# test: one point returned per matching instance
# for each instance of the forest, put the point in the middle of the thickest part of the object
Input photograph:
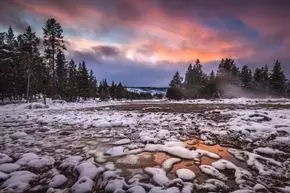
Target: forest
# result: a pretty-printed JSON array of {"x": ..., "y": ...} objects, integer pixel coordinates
[
  {"x": 229, "y": 81},
  {"x": 32, "y": 67}
]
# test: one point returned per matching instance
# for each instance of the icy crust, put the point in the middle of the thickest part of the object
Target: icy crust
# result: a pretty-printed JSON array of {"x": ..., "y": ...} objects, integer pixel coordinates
[{"x": 264, "y": 165}]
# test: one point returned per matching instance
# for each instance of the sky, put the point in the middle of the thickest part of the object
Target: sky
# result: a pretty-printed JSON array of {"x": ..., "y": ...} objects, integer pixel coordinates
[{"x": 143, "y": 42}]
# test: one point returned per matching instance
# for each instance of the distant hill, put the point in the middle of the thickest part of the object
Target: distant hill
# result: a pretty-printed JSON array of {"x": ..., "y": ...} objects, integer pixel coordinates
[{"x": 151, "y": 90}]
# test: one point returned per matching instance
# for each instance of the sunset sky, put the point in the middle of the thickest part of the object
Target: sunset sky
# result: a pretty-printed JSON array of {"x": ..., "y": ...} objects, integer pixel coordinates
[{"x": 142, "y": 42}]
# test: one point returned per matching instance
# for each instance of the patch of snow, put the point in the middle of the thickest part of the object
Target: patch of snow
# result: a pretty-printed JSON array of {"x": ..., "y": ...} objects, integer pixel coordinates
[
  {"x": 83, "y": 185},
  {"x": 19, "y": 181},
  {"x": 9, "y": 167},
  {"x": 209, "y": 170},
  {"x": 115, "y": 151},
  {"x": 5, "y": 158},
  {"x": 168, "y": 164},
  {"x": 57, "y": 181},
  {"x": 122, "y": 142},
  {"x": 185, "y": 174},
  {"x": 158, "y": 175},
  {"x": 87, "y": 169}
]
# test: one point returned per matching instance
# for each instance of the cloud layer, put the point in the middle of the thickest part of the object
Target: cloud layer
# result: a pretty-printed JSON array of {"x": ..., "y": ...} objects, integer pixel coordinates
[{"x": 146, "y": 40}]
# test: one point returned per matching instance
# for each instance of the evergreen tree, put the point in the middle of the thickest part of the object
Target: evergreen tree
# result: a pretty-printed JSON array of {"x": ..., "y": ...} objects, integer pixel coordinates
[
  {"x": 277, "y": 79},
  {"x": 195, "y": 81},
  {"x": 93, "y": 85},
  {"x": 83, "y": 81},
  {"x": 31, "y": 62},
  {"x": 120, "y": 91},
  {"x": 104, "y": 90},
  {"x": 72, "y": 83},
  {"x": 175, "y": 91},
  {"x": 113, "y": 90},
  {"x": 53, "y": 41},
  {"x": 246, "y": 77},
  {"x": 61, "y": 73}
]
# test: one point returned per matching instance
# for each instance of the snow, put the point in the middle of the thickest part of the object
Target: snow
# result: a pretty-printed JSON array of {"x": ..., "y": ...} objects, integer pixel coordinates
[
  {"x": 87, "y": 169},
  {"x": 209, "y": 170},
  {"x": 57, "y": 181},
  {"x": 212, "y": 185},
  {"x": 114, "y": 185},
  {"x": 9, "y": 167},
  {"x": 122, "y": 142},
  {"x": 136, "y": 189},
  {"x": 158, "y": 175},
  {"x": 241, "y": 175},
  {"x": 71, "y": 161},
  {"x": 185, "y": 174},
  {"x": 3, "y": 176},
  {"x": 19, "y": 181},
  {"x": 34, "y": 161},
  {"x": 207, "y": 153},
  {"x": 115, "y": 151},
  {"x": 268, "y": 151},
  {"x": 161, "y": 190},
  {"x": 83, "y": 185},
  {"x": 176, "y": 151},
  {"x": 168, "y": 164},
  {"x": 18, "y": 135},
  {"x": 5, "y": 158}
]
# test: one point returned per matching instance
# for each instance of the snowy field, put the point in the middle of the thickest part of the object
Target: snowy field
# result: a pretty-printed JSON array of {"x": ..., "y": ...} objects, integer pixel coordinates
[{"x": 231, "y": 145}]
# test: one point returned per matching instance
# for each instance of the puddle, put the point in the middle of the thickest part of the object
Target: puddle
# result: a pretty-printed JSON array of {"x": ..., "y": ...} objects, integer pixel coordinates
[{"x": 155, "y": 159}]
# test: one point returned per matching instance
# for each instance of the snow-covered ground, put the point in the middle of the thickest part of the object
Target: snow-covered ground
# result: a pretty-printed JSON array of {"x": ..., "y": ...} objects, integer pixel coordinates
[{"x": 89, "y": 146}]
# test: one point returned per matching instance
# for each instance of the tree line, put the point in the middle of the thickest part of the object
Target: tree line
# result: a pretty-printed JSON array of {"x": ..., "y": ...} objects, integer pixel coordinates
[
  {"x": 32, "y": 67},
  {"x": 229, "y": 81}
]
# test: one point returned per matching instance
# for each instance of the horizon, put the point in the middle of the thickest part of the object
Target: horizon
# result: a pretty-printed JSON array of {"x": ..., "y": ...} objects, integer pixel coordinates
[{"x": 150, "y": 40}]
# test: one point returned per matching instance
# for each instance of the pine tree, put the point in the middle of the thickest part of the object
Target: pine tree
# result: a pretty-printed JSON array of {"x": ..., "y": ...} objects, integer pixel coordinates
[
  {"x": 277, "y": 80},
  {"x": 113, "y": 89},
  {"x": 72, "y": 83},
  {"x": 93, "y": 85},
  {"x": 120, "y": 91},
  {"x": 53, "y": 41},
  {"x": 83, "y": 81},
  {"x": 61, "y": 73},
  {"x": 32, "y": 61},
  {"x": 246, "y": 77},
  {"x": 175, "y": 91},
  {"x": 104, "y": 90},
  {"x": 195, "y": 81}
]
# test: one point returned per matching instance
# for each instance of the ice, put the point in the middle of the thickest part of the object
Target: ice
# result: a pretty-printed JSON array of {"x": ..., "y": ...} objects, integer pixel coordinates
[
  {"x": 178, "y": 151},
  {"x": 185, "y": 174},
  {"x": 209, "y": 170},
  {"x": 9, "y": 167},
  {"x": 212, "y": 185},
  {"x": 27, "y": 157},
  {"x": 18, "y": 135},
  {"x": 87, "y": 169},
  {"x": 268, "y": 151},
  {"x": 3, "y": 176},
  {"x": 158, "y": 175},
  {"x": 114, "y": 185},
  {"x": 241, "y": 175},
  {"x": 168, "y": 164},
  {"x": 187, "y": 187},
  {"x": 108, "y": 175},
  {"x": 115, "y": 151},
  {"x": 174, "y": 144},
  {"x": 5, "y": 158},
  {"x": 71, "y": 161},
  {"x": 122, "y": 142},
  {"x": 136, "y": 189},
  {"x": 57, "y": 181},
  {"x": 83, "y": 185},
  {"x": 265, "y": 165},
  {"x": 163, "y": 134},
  {"x": 110, "y": 166},
  {"x": 207, "y": 153},
  {"x": 162, "y": 190},
  {"x": 19, "y": 180}
]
